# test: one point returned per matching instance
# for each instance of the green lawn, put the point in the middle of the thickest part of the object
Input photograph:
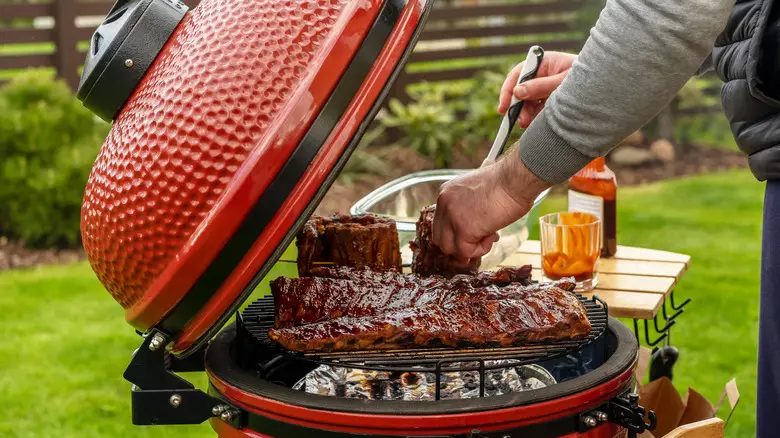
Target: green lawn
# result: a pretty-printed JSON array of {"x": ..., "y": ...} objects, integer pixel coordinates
[{"x": 65, "y": 344}]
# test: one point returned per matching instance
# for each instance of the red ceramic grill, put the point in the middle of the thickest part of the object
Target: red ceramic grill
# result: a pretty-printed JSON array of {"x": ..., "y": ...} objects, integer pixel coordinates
[{"x": 230, "y": 122}]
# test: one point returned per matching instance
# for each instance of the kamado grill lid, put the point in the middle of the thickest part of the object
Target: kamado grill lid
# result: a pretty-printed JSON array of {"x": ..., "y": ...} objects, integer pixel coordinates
[{"x": 231, "y": 120}]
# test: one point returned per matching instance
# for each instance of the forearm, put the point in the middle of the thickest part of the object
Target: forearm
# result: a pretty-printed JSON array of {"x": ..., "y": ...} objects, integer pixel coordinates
[{"x": 638, "y": 56}]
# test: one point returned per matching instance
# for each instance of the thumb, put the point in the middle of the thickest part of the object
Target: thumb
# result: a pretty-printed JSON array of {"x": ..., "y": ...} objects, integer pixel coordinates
[{"x": 539, "y": 88}]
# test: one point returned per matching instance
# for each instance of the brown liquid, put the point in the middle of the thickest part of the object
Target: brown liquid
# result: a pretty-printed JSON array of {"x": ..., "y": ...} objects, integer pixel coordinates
[
  {"x": 609, "y": 247},
  {"x": 598, "y": 180},
  {"x": 557, "y": 266}
]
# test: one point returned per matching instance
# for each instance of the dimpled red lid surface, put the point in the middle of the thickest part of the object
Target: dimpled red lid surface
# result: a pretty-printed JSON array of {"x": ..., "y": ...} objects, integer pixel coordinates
[{"x": 239, "y": 81}]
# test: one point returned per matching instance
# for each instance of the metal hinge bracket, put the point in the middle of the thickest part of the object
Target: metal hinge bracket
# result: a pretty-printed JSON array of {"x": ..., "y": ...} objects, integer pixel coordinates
[
  {"x": 623, "y": 410},
  {"x": 160, "y": 397}
]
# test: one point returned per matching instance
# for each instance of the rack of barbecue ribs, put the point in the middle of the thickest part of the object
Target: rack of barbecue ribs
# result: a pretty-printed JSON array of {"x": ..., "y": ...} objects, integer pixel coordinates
[
  {"x": 428, "y": 259},
  {"x": 353, "y": 241},
  {"x": 363, "y": 301},
  {"x": 454, "y": 314},
  {"x": 335, "y": 292}
]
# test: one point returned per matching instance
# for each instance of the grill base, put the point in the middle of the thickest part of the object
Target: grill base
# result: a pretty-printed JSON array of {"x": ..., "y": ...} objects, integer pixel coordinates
[{"x": 263, "y": 390}]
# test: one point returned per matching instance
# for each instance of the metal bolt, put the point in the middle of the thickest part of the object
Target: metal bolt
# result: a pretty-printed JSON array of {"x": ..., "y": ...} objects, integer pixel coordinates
[
  {"x": 175, "y": 400},
  {"x": 589, "y": 421},
  {"x": 227, "y": 415},
  {"x": 129, "y": 63},
  {"x": 602, "y": 417},
  {"x": 157, "y": 341},
  {"x": 218, "y": 409}
]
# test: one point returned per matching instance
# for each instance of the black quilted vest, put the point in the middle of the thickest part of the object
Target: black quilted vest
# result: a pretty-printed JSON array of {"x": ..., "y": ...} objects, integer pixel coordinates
[{"x": 747, "y": 59}]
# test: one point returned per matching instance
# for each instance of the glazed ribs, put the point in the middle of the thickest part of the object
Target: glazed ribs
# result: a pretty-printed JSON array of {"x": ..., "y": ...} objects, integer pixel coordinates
[
  {"x": 354, "y": 241},
  {"x": 362, "y": 301},
  {"x": 336, "y": 292},
  {"x": 485, "y": 316},
  {"x": 428, "y": 259}
]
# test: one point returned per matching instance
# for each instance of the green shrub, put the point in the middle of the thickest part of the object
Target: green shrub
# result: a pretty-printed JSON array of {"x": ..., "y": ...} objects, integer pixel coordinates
[
  {"x": 443, "y": 118},
  {"x": 48, "y": 142},
  {"x": 481, "y": 118},
  {"x": 363, "y": 162},
  {"x": 428, "y": 122}
]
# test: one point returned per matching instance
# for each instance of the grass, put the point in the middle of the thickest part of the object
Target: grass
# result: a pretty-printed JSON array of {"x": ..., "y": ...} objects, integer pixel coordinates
[{"x": 65, "y": 343}]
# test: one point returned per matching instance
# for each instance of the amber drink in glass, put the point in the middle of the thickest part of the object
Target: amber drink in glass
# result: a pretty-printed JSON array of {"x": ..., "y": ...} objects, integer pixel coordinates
[{"x": 571, "y": 247}]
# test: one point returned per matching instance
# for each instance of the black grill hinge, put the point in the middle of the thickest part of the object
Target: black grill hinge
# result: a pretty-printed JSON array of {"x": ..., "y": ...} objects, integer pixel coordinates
[
  {"x": 623, "y": 410},
  {"x": 160, "y": 397}
]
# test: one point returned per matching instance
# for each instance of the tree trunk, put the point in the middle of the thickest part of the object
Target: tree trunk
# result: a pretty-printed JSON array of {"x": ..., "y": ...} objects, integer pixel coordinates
[{"x": 666, "y": 127}]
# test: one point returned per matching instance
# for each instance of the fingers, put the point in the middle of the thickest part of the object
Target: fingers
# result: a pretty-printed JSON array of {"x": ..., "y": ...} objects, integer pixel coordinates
[
  {"x": 530, "y": 110},
  {"x": 442, "y": 232},
  {"x": 539, "y": 88},
  {"x": 484, "y": 246},
  {"x": 463, "y": 250},
  {"x": 505, "y": 97}
]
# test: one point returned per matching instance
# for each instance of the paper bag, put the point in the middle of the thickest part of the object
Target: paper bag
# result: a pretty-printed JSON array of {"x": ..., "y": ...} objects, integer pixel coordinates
[{"x": 672, "y": 412}]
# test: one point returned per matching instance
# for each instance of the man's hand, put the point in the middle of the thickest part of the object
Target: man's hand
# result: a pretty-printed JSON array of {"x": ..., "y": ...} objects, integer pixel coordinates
[
  {"x": 473, "y": 207},
  {"x": 553, "y": 70}
]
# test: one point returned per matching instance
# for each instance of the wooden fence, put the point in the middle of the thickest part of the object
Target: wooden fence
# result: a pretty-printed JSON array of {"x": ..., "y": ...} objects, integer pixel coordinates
[
  {"x": 461, "y": 38},
  {"x": 53, "y": 34}
]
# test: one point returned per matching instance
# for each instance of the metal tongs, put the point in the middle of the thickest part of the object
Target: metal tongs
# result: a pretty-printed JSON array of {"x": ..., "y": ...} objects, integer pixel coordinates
[{"x": 530, "y": 69}]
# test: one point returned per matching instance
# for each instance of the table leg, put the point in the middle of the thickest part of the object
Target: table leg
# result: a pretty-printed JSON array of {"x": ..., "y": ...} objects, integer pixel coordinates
[{"x": 664, "y": 333}]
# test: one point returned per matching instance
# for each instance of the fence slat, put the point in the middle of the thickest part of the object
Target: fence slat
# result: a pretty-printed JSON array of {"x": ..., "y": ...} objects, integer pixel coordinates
[
  {"x": 491, "y": 31},
  {"x": 453, "y": 13},
  {"x": 442, "y": 75},
  {"x": 17, "y": 36},
  {"x": 85, "y": 33},
  {"x": 26, "y": 11},
  {"x": 97, "y": 8},
  {"x": 498, "y": 50},
  {"x": 66, "y": 57},
  {"x": 13, "y": 62}
]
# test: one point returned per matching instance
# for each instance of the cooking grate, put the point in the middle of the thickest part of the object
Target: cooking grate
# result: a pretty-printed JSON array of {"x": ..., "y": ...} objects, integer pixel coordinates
[{"x": 259, "y": 317}]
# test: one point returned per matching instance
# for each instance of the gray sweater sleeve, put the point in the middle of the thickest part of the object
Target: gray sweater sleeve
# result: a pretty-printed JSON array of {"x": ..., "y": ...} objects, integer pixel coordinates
[{"x": 639, "y": 55}]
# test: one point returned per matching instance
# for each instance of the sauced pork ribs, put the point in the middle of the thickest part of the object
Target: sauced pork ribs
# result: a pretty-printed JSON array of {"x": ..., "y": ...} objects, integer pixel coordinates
[
  {"x": 355, "y": 241},
  {"x": 457, "y": 314},
  {"x": 363, "y": 301},
  {"x": 335, "y": 292},
  {"x": 428, "y": 259}
]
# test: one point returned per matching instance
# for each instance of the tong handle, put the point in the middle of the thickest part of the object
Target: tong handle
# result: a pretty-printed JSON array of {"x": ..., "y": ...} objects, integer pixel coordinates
[{"x": 530, "y": 69}]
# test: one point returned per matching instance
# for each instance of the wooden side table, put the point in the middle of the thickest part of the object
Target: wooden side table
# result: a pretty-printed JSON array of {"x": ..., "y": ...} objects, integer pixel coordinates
[{"x": 636, "y": 283}]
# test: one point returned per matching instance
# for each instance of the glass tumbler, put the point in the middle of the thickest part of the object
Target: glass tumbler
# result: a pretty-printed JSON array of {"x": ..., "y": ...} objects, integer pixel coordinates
[{"x": 571, "y": 247}]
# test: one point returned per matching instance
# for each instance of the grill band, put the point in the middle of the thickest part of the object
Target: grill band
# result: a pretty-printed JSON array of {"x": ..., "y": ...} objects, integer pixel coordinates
[
  {"x": 552, "y": 429},
  {"x": 272, "y": 199}
]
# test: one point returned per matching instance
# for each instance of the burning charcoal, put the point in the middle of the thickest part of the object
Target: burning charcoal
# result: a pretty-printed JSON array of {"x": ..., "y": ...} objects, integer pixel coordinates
[
  {"x": 375, "y": 385},
  {"x": 415, "y": 387}
]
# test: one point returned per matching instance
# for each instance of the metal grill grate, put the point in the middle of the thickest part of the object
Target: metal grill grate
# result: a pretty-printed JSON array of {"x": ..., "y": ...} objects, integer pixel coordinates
[{"x": 259, "y": 317}]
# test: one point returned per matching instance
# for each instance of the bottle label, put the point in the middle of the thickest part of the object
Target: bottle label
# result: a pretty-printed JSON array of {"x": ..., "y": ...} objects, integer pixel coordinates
[{"x": 584, "y": 203}]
